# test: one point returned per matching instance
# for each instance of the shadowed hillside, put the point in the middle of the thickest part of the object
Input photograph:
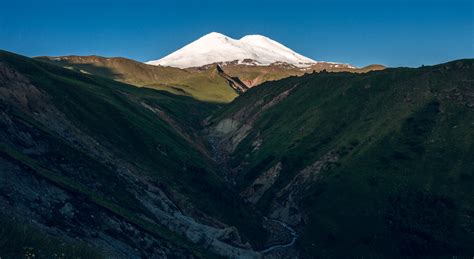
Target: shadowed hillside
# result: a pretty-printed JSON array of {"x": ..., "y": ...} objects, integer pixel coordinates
[
  {"x": 375, "y": 164},
  {"x": 119, "y": 168}
]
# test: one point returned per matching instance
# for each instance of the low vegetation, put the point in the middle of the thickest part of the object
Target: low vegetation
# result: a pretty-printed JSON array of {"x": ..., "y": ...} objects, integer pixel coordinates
[{"x": 402, "y": 140}]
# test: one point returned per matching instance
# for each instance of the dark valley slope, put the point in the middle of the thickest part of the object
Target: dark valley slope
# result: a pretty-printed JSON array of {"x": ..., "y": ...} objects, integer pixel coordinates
[
  {"x": 87, "y": 162},
  {"x": 375, "y": 164}
]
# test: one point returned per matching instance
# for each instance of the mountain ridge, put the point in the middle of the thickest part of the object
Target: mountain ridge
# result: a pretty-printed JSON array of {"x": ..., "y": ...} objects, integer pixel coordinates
[{"x": 197, "y": 82}]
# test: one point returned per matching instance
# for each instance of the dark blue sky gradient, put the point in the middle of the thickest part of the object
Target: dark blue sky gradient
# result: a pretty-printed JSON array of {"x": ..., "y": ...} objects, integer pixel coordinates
[{"x": 394, "y": 33}]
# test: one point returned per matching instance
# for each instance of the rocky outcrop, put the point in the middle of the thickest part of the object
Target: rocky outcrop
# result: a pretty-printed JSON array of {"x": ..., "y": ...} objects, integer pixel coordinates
[
  {"x": 224, "y": 241},
  {"x": 285, "y": 206},
  {"x": 255, "y": 191},
  {"x": 233, "y": 82},
  {"x": 229, "y": 132}
]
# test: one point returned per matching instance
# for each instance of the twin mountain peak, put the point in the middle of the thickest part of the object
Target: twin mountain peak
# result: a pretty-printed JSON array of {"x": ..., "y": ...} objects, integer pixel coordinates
[{"x": 218, "y": 48}]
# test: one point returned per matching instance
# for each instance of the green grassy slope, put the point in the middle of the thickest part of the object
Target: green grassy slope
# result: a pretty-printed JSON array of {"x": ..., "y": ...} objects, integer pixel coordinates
[
  {"x": 204, "y": 84},
  {"x": 255, "y": 75},
  {"x": 403, "y": 141},
  {"x": 201, "y": 83},
  {"x": 112, "y": 114}
]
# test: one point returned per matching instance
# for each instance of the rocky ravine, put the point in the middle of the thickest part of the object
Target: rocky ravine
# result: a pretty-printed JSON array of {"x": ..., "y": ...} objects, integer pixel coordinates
[
  {"x": 228, "y": 132},
  {"x": 225, "y": 135}
]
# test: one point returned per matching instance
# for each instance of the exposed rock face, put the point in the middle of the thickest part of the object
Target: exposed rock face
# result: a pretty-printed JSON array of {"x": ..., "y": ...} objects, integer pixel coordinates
[
  {"x": 254, "y": 192},
  {"x": 224, "y": 241},
  {"x": 312, "y": 172},
  {"x": 15, "y": 88},
  {"x": 233, "y": 131},
  {"x": 229, "y": 132},
  {"x": 233, "y": 82},
  {"x": 285, "y": 206}
]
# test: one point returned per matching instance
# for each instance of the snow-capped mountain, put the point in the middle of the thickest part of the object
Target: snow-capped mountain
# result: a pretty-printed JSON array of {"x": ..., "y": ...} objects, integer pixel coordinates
[{"x": 216, "y": 47}]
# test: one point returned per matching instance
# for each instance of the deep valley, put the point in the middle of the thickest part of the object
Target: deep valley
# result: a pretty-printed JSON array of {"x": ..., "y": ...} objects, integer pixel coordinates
[{"x": 109, "y": 157}]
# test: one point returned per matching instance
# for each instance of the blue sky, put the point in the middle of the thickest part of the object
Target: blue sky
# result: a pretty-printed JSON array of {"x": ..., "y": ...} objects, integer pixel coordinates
[{"x": 390, "y": 32}]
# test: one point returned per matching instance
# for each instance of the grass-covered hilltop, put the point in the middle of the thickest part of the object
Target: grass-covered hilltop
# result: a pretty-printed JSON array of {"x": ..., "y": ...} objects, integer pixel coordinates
[{"x": 112, "y": 158}]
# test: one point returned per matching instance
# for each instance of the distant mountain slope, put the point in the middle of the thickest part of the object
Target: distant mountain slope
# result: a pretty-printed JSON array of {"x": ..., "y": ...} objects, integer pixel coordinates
[
  {"x": 255, "y": 75},
  {"x": 203, "y": 84},
  {"x": 376, "y": 165},
  {"x": 88, "y": 161},
  {"x": 216, "y": 47}
]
